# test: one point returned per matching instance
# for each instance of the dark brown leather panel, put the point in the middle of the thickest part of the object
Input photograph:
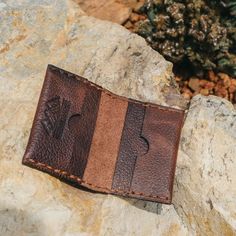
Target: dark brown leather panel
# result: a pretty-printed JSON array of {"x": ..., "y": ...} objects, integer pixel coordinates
[
  {"x": 131, "y": 146},
  {"x": 87, "y": 135},
  {"x": 154, "y": 171},
  {"x": 51, "y": 140},
  {"x": 83, "y": 131}
]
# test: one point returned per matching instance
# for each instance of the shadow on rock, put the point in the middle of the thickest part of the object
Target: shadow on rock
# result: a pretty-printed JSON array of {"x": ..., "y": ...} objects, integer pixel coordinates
[
  {"x": 141, "y": 204},
  {"x": 152, "y": 207},
  {"x": 19, "y": 222}
]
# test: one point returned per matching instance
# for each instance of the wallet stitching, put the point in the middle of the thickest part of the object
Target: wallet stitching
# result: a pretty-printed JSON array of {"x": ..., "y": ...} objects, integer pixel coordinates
[
  {"x": 114, "y": 96},
  {"x": 79, "y": 180}
]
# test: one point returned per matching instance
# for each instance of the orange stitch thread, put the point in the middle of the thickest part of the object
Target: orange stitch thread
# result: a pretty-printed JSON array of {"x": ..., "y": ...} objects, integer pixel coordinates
[{"x": 82, "y": 181}]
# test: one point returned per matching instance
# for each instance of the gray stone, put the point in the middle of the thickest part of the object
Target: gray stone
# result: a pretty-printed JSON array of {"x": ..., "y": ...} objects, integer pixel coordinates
[
  {"x": 111, "y": 10},
  {"x": 34, "y": 34},
  {"x": 205, "y": 189}
]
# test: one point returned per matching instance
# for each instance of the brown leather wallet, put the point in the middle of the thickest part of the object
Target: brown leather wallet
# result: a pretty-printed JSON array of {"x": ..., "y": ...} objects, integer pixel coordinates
[{"x": 91, "y": 137}]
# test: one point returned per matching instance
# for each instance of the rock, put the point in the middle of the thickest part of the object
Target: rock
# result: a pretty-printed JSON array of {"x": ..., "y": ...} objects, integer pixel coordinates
[
  {"x": 186, "y": 93},
  {"x": 111, "y": 10},
  {"x": 206, "y": 177},
  {"x": 128, "y": 25},
  {"x": 212, "y": 76},
  {"x": 204, "y": 91},
  {"x": 233, "y": 82},
  {"x": 34, "y": 34},
  {"x": 203, "y": 82},
  {"x": 134, "y": 17},
  {"x": 221, "y": 91},
  {"x": 137, "y": 5},
  {"x": 220, "y": 84},
  {"x": 232, "y": 87},
  {"x": 194, "y": 84},
  {"x": 210, "y": 85},
  {"x": 223, "y": 76}
]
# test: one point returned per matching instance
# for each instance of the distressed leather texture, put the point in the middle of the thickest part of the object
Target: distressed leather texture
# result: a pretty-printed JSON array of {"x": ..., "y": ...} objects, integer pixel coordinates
[{"x": 85, "y": 135}]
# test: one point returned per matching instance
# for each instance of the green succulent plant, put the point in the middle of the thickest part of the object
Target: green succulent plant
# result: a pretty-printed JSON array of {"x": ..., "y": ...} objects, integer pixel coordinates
[{"x": 200, "y": 33}]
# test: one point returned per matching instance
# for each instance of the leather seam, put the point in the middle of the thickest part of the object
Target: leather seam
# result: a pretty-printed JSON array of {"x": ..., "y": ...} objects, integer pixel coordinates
[{"x": 79, "y": 180}]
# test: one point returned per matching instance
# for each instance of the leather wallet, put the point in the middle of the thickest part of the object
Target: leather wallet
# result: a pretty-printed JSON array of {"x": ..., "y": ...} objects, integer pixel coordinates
[{"x": 88, "y": 136}]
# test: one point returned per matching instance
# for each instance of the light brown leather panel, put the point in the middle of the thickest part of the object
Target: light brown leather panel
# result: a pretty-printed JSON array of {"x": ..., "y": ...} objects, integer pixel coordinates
[{"x": 106, "y": 140}]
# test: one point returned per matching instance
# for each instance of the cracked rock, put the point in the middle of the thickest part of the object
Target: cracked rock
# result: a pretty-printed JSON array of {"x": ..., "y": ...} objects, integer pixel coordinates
[{"x": 205, "y": 192}]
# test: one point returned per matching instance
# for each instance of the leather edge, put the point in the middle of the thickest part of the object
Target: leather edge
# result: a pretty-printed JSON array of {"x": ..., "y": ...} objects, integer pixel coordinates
[
  {"x": 63, "y": 175},
  {"x": 40, "y": 99},
  {"x": 175, "y": 156}
]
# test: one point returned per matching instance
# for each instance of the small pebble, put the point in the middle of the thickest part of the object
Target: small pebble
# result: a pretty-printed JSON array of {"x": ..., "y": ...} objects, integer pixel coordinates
[
  {"x": 128, "y": 25},
  {"x": 210, "y": 85},
  {"x": 134, "y": 17},
  {"x": 232, "y": 88},
  {"x": 204, "y": 92},
  {"x": 203, "y": 82},
  {"x": 223, "y": 76},
  {"x": 194, "y": 84},
  {"x": 212, "y": 76}
]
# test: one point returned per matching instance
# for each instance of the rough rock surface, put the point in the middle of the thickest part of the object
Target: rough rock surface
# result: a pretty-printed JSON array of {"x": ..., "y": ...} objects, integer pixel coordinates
[
  {"x": 33, "y": 34},
  {"x": 111, "y": 10},
  {"x": 205, "y": 195}
]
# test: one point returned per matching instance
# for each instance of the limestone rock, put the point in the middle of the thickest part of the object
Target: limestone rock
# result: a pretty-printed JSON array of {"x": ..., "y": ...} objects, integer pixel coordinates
[
  {"x": 32, "y": 35},
  {"x": 36, "y": 33},
  {"x": 111, "y": 10},
  {"x": 194, "y": 84},
  {"x": 205, "y": 190}
]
